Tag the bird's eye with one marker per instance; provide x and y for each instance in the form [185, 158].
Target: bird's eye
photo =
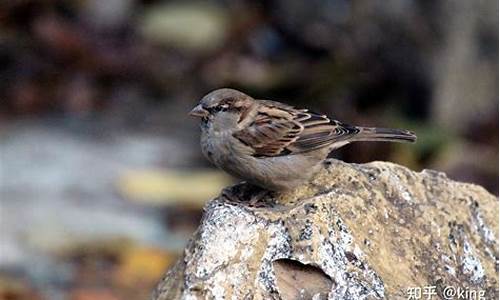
[221, 107]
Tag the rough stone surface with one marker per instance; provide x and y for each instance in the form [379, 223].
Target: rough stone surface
[371, 231]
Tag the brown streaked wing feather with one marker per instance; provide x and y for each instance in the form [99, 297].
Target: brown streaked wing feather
[279, 129]
[272, 131]
[320, 131]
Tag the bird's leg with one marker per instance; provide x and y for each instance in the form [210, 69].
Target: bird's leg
[228, 193]
[248, 193]
[258, 196]
[239, 192]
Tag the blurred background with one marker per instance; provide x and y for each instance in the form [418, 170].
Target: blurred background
[102, 181]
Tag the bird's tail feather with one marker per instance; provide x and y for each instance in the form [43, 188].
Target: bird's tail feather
[384, 135]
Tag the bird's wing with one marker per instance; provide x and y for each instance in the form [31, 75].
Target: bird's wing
[279, 129]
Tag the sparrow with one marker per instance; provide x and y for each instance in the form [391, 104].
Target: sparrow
[273, 145]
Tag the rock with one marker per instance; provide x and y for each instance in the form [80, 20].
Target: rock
[369, 231]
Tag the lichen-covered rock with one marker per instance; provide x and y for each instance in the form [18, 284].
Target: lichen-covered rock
[371, 231]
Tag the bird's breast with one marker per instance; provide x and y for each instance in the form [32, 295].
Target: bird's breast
[216, 147]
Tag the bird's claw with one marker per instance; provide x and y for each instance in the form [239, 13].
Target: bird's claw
[245, 193]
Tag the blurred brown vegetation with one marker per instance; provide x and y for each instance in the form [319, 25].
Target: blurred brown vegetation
[97, 88]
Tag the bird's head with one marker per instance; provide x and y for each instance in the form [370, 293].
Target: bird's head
[223, 108]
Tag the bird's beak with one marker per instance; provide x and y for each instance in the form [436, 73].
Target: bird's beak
[198, 111]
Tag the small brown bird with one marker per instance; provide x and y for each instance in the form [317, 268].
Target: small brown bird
[273, 145]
